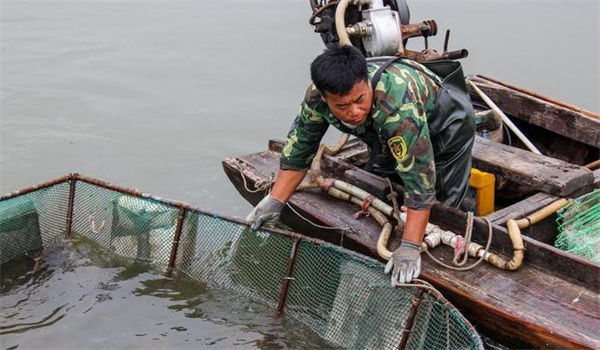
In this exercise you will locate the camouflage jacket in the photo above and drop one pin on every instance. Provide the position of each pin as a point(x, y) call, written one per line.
point(402, 102)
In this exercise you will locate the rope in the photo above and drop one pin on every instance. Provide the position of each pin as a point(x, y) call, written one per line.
point(260, 185)
point(265, 184)
point(462, 248)
point(419, 283)
point(342, 229)
point(92, 222)
point(393, 196)
point(314, 224)
point(487, 247)
point(459, 266)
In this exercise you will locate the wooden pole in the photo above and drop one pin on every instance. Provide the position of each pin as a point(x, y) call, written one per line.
point(410, 321)
point(70, 206)
point(507, 121)
point(175, 245)
point(288, 277)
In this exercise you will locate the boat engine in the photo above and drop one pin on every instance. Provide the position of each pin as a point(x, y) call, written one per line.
point(376, 27)
point(373, 25)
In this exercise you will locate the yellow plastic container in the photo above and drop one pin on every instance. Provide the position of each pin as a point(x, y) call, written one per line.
point(483, 183)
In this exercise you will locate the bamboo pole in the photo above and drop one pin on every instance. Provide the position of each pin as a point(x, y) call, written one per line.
point(507, 121)
point(593, 165)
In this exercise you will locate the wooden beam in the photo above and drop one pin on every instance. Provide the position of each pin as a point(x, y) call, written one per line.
point(538, 172)
point(535, 171)
point(552, 116)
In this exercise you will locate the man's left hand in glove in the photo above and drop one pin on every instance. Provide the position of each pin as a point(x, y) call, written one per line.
point(406, 263)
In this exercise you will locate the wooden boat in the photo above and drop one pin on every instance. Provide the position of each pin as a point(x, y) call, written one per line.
point(553, 300)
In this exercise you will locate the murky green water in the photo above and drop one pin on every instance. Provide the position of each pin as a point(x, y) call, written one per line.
point(84, 297)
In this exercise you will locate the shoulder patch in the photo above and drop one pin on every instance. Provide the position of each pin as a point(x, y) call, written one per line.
point(398, 147)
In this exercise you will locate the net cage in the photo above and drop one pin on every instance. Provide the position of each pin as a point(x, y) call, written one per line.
point(579, 227)
point(342, 296)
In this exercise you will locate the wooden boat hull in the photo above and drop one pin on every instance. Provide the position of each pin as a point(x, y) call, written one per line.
point(552, 301)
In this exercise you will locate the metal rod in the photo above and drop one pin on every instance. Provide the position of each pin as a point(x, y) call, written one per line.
point(424, 29)
point(542, 97)
point(172, 203)
point(410, 322)
point(288, 277)
point(175, 246)
point(182, 205)
point(446, 40)
point(70, 206)
point(505, 119)
point(37, 187)
point(455, 55)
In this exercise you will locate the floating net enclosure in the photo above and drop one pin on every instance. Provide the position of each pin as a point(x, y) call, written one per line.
point(342, 296)
point(579, 227)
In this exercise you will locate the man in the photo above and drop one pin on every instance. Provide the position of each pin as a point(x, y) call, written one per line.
point(415, 124)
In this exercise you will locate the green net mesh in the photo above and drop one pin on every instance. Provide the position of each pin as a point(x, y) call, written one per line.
point(33, 220)
point(579, 227)
point(343, 297)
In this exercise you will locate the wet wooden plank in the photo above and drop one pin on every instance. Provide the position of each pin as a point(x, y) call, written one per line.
point(536, 202)
point(523, 306)
point(548, 115)
point(529, 307)
point(522, 167)
point(536, 171)
point(589, 188)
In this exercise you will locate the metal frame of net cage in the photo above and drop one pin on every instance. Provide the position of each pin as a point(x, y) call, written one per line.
point(340, 295)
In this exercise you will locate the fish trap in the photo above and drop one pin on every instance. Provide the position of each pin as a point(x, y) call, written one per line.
point(343, 297)
point(579, 227)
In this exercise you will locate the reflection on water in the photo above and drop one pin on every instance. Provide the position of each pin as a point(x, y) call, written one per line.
point(84, 297)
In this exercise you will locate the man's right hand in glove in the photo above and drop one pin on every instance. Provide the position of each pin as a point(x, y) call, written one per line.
point(266, 212)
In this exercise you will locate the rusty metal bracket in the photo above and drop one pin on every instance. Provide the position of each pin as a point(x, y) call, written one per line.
point(288, 277)
point(410, 322)
point(175, 246)
point(70, 205)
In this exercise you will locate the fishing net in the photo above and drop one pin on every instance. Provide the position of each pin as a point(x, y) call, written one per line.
point(342, 296)
point(579, 227)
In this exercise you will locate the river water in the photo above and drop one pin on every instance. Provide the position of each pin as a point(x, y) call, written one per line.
point(154, 94)
point(80, 297)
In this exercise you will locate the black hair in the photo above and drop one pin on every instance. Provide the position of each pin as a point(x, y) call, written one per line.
point(337, 69)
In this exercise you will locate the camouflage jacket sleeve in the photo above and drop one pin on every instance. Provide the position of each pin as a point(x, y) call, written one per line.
point(305, 135)
point(405, 104)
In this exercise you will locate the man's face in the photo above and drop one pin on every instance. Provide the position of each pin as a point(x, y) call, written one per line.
point(354, 107)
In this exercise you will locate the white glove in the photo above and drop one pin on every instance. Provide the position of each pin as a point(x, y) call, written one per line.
point(267, 211)
point(406, 261)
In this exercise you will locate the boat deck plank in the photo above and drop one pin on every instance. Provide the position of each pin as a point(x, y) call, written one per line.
point(536, 171)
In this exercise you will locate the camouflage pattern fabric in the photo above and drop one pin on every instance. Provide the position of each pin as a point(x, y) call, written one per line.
point(403, 100)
